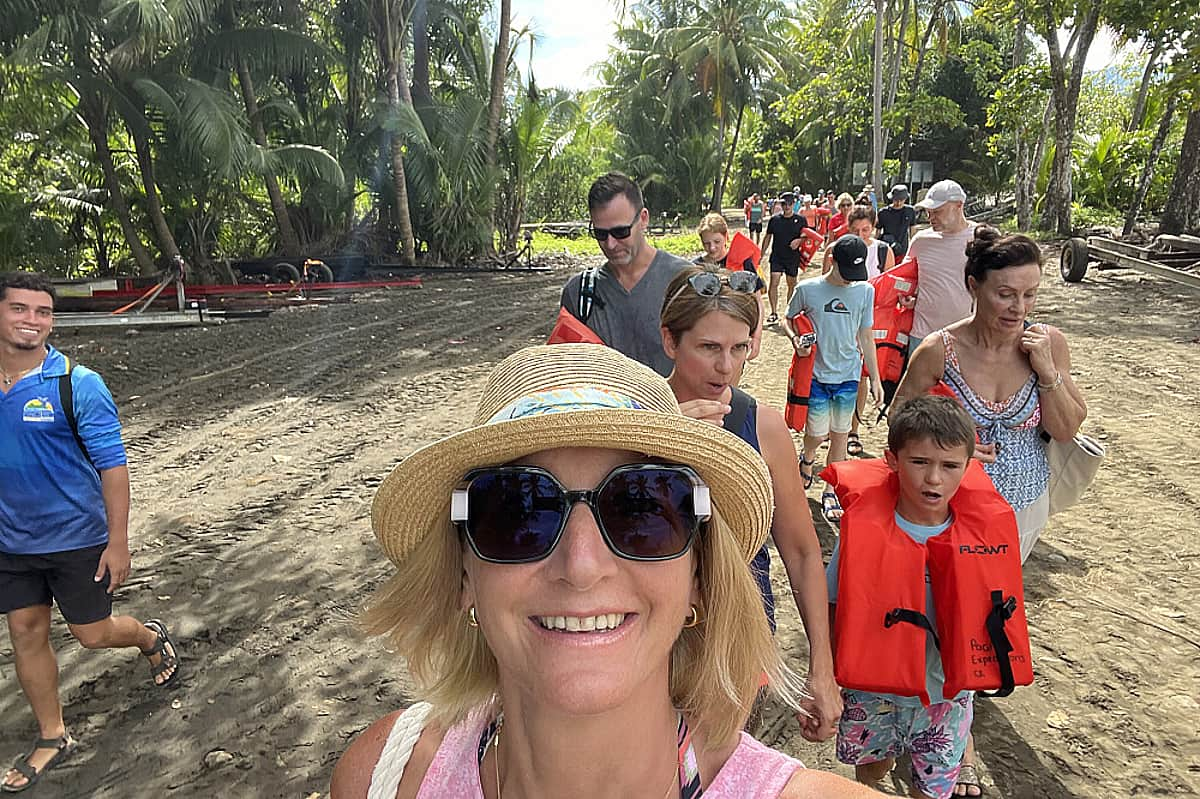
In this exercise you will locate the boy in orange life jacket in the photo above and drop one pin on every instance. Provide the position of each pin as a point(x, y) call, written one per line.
point(930, 442)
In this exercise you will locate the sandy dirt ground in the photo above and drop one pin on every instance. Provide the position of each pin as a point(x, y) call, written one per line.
point(255, 448)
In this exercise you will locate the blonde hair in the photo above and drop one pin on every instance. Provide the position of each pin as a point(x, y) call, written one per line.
point(715, 666)
point(844, 199)
point(683, 307)
point(713, 223)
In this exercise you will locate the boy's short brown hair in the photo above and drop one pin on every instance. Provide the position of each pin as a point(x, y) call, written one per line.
point(941, 419)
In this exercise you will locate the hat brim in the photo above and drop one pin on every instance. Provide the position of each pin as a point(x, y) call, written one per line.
point(414, 500)
point(931, 205)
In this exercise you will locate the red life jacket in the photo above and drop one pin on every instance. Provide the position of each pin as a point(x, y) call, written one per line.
point(795, 412)
point(893, 323)
point(810, 241)
point(569, 330)
point(974, 572)
point(823, 215)
point(741, 249)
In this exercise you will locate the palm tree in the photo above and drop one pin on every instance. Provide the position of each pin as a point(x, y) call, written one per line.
point(727, 49)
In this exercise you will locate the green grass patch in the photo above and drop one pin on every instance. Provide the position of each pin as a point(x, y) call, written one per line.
point(681, 244)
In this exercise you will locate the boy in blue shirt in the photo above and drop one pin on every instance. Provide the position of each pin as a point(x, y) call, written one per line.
point(64, 516)
point(840, 305)
point(930, 443)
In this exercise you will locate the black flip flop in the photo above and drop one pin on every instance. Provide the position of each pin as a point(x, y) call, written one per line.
point(64, 744)
point(166, 660)
point(854, 445)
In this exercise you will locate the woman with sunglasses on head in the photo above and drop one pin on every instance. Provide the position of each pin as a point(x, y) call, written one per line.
point(571, 597)
point(715, 238)
point(706, 322)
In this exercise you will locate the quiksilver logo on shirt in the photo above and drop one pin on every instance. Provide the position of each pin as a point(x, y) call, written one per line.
point(38, 409)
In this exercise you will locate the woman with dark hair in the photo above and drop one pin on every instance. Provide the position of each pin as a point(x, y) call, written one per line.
point(1013, 377)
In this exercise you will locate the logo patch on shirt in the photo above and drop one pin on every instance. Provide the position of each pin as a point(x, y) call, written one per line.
point(836, 306)
point(38, 409)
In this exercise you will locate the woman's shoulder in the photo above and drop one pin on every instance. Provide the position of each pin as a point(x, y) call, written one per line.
point(353, 772)
point(806, 784)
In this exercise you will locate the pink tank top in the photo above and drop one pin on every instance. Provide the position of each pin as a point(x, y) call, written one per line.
point(753, 771)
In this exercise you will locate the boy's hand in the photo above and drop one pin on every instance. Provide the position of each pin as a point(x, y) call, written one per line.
point(795, 243)
point(803, 350)
point(908, 301)
point(876, 392)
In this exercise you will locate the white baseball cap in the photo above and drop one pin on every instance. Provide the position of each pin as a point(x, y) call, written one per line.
point(942, 192)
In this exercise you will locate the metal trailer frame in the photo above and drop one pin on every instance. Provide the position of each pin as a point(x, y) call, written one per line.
point(1175, 258)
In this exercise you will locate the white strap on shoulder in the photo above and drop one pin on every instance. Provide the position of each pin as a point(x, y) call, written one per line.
point(385, 779)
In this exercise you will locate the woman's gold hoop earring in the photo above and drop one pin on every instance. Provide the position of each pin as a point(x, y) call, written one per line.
point(693, 619)
point(472, 621)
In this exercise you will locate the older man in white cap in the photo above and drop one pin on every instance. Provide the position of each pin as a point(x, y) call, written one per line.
point(941, 256)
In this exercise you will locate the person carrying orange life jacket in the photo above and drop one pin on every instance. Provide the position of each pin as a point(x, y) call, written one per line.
point(974, 572)
point(895, 290)
point(800, 372)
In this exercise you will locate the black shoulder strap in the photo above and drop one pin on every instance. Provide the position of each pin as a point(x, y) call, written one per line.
point(587, 293)
point(1002, 611)
point(66, 402)
point(740, 405)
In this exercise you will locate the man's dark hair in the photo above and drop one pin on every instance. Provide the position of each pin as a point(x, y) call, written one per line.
point(29, 281)
point(941, 419)
point(606, 188)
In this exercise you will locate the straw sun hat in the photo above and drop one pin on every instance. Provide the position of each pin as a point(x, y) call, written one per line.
point(572, 395)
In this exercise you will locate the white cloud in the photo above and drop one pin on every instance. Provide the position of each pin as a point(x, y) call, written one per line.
point(572, 36)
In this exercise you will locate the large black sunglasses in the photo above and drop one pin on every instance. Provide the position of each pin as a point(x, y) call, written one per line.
point(517, 514)
point(620, 232)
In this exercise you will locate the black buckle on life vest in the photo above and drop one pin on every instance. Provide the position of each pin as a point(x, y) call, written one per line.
point(898, 615)
point(1002, 610)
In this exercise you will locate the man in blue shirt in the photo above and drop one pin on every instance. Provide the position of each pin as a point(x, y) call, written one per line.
point(64, 516)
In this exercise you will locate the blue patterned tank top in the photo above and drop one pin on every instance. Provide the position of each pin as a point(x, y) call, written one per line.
point(1020, 471)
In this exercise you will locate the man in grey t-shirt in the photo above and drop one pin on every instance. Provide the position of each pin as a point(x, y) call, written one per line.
point(631, 285)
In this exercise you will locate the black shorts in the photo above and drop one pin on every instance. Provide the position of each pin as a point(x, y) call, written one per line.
point(66, 577)
point(755, 227)
point(791, 270)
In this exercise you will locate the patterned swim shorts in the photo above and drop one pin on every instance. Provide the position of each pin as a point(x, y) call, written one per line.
point(874, 728)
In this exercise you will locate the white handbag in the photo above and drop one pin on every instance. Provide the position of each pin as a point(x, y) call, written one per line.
point(1073, 467)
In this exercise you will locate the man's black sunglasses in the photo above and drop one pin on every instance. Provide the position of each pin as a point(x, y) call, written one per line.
point(620, 232)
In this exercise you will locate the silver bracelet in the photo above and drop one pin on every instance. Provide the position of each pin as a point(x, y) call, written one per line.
point(1052, 386)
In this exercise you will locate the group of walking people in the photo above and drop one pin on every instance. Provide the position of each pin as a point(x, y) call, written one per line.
point(621, 649)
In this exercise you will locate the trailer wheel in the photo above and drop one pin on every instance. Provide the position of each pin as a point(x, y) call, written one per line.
point(1073, 262)
point(319, 273)
point(283, 272)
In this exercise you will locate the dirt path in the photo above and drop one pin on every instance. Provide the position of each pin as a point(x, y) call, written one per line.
point(255, 449)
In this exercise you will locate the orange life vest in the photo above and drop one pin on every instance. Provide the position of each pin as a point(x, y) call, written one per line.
point(823, 215)
point(893, 323)
point(795, 412)
point(741, 249)
point(974, 572)
point(569, 330)
point(810, 240)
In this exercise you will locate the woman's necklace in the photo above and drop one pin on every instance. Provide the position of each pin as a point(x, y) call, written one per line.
point(496, 750)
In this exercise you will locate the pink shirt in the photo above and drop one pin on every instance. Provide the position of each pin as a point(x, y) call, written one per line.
point(753, 771)
point(942, 297)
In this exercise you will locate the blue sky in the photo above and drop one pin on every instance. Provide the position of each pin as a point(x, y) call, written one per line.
point(573, 35)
